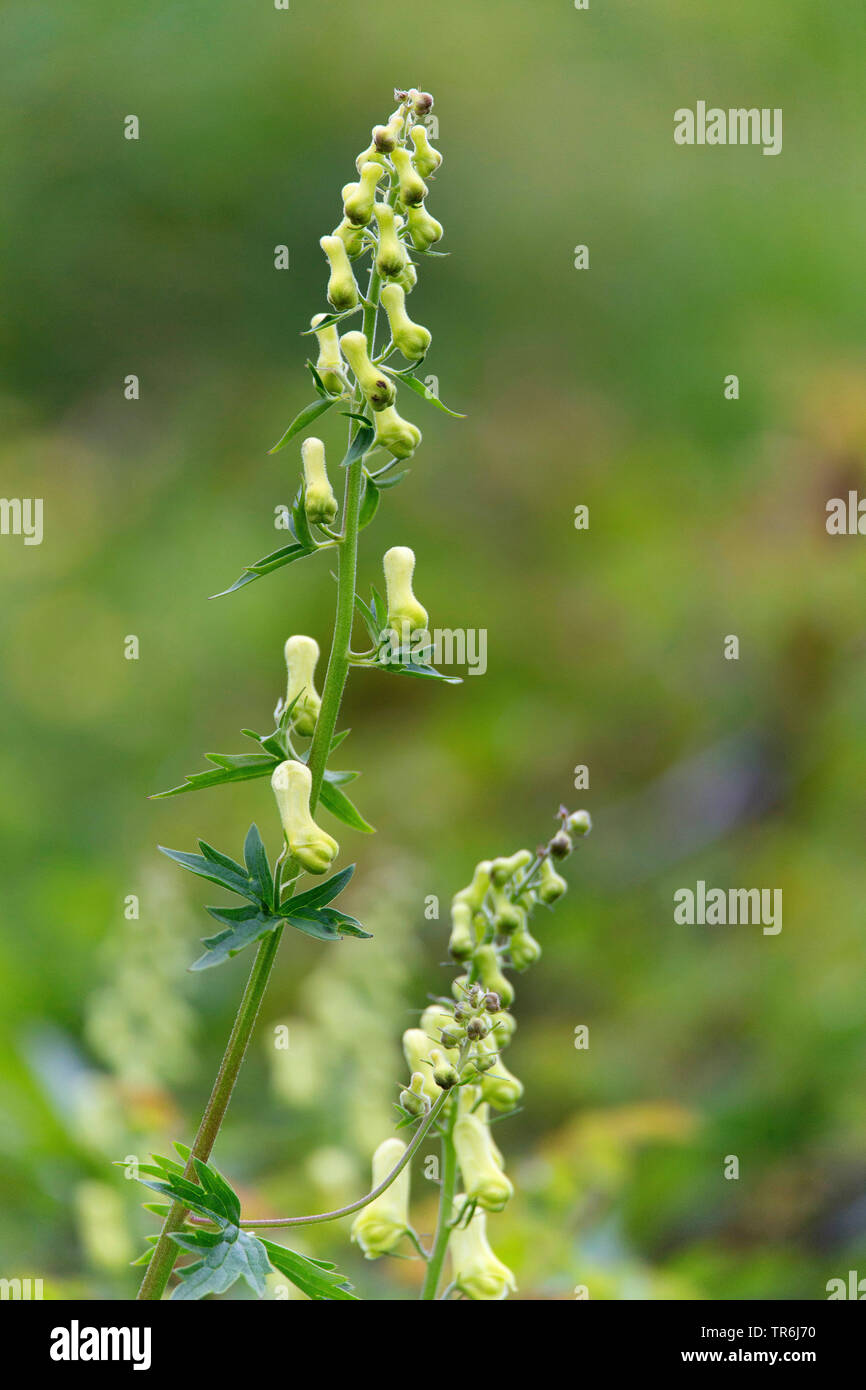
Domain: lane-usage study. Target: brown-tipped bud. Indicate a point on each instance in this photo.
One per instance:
(422, 102)
(492, 1002)
(561, 845)
(378, 388)
(445, 1074)
(477, 1028)
(384, 139)
(414, 1100)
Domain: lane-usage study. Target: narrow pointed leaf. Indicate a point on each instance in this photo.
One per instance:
(206, 868)
(412, 381)
(323, 892)
(285, 556)
(340, 806)
(306, 417)
(316, 1278)
(231, 767)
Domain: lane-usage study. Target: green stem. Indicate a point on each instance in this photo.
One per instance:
(406, 1157)
(446, 1204)
(166, 1251)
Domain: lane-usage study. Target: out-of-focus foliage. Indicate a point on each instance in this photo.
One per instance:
(601, 387)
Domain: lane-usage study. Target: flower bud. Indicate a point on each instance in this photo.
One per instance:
(445, 1074)
(370, 155)
(421, 102)
(342, 290)
(400, 437)
(551, 885)
(475, 892)
(358, 198)
(391, 255)
(414, 1100)
(461, 942)
(412, 339)
(580, 823)
(485, 1056)
(506, 868)
(486, 962)
(507, 916)
(378, 388)
(500, 1087)
(427, 159)
(384, 139)
(408, 277)
(485, 1181)
(413, 189)
(435, 1021)
(423, 229)
(330, 362)
(477, 1028)
(380, 1225)
(351, 237)
(302, 655)
(320, 504)
(476, 1271)
(403, 607)
(561, 845)
(503, 1027)
(417, 1048)
(311, 846)
(523, 949)
(492, 1002)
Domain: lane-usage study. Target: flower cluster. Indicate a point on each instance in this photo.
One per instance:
(384, 217)
(454, 1058)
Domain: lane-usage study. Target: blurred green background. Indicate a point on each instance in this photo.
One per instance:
(602, 387)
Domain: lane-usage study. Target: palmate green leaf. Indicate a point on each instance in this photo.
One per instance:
(243, 926)
(404, 663)
(258, 868)
(316, 1278)
(244, 767)
(227, 1256)
(223, 1196)
(214, 867)
(322, 893)
(347, 926)
(306, 417)
(228, 1253)
(311, 924)
(308, 912)
(324, 923)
